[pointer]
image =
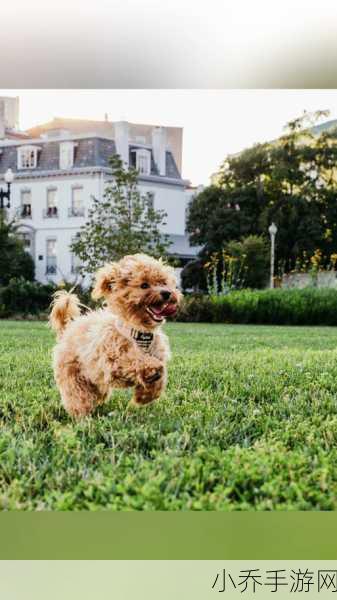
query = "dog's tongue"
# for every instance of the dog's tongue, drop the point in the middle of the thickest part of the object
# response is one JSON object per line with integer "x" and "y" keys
{"x": 169, "y": 310}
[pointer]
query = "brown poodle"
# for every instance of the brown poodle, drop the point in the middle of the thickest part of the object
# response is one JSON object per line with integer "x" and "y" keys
{"x": 121, "y": 345}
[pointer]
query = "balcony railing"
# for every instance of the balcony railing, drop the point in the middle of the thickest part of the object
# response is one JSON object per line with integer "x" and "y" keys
{"x": 50, "y": 213}
{"x": 76, "y": 212}
{"x": 51, "y": 266}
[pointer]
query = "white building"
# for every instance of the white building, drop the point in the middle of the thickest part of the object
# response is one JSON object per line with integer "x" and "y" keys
{"x": 59, "y": 167}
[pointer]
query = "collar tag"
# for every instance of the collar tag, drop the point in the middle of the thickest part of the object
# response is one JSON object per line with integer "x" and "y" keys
{"x": 142, "y": 336}
{"x": 143, "y": 339}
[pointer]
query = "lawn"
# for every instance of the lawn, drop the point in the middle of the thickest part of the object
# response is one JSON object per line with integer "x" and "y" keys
{"x": 249, "y": 421}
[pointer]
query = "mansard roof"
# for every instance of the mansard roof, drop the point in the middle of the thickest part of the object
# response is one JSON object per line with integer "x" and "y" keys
{"x": 90, "y": 152}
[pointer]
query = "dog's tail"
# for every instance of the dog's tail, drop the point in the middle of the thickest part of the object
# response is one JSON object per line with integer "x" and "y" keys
{"x": 64, "y": 308}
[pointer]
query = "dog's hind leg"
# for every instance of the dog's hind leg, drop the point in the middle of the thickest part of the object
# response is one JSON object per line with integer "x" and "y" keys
{"x": 79, "y": 396}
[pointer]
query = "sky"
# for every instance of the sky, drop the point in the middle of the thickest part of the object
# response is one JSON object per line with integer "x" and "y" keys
{"x": 215, "y": 122}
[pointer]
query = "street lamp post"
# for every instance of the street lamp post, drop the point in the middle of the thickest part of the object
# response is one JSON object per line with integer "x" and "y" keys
{"x": 6, "y": 194}
{"x": 272, "y": 232}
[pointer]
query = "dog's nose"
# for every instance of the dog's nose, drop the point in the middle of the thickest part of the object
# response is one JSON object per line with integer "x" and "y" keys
{"x": 165, "y": 294}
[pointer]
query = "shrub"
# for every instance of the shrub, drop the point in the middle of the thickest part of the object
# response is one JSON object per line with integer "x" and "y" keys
{"x": 22, "y": 297}
{"x": 193, "y": 275}
{"x": 240, "y": 264}
{"x": 197, "y": 309}
{"x": 308, "y": 306}
{"x": 253, "y": 254}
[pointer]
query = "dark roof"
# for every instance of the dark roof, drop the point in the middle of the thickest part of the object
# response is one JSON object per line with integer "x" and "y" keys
{"x": 89, "y": 152}
{"x": 171, "y": 167}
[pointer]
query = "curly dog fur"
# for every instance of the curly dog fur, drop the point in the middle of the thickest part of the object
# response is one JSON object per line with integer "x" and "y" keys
{"x": 121, "y": 345}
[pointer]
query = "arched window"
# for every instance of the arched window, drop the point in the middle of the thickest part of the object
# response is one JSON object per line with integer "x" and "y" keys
{"x": 27, "y": 235}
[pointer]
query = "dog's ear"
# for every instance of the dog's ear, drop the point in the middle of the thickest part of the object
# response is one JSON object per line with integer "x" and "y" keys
{"x": 104, "y": 281}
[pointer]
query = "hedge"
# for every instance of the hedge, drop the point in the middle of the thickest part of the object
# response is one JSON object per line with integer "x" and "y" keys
{"x": 310, "y": 306}
{"x": 22, "y": 298}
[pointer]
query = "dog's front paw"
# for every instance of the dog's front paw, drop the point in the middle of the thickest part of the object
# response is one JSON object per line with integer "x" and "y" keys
{"x": 156, "y": 375}
{"x": 152, "y": 373}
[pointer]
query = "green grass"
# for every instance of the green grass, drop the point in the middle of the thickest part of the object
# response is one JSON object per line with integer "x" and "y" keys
{"x": 249, "y": 421}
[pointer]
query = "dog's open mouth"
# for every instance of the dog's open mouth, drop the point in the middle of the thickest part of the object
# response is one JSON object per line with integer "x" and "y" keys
{"x": 159, "y": 312}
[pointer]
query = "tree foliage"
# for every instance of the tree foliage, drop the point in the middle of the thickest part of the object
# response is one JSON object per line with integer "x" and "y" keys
{"x": 291, "y": 181}
{"x": 124, "y": 222}
{"x": 253, "y": 255}
{"x": 15, "y": 262}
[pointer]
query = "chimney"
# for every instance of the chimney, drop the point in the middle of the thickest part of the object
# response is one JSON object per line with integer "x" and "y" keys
{"x": 11, "y": 111}
{"x": 122, "y": 140}
{"x": 159, "y": 148}
{"x": 2, "y": 119}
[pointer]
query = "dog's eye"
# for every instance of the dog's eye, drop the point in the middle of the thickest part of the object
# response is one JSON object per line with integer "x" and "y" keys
{"x": 144, "y": 285}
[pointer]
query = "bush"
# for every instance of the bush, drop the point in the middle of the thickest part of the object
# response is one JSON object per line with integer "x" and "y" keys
{"x": 240, "y": 264}
{"x": 22, "y": 297}
{"x": 271, "y": 307}
{"x": 193, "y": 275}
{"x": 310, "y": 306}
{"x": 253, "y": 253}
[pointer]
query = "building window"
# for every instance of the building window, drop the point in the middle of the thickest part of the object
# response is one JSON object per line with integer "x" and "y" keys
{"x": 26, "y": 204}
{"x": 76, "y": 262}
{"x": 27, "y": 157}
{"x": 51, "y": 265}
{"x": 66, "y": 155}
{"x": 26, "y": 239}
{"x": 143, "y": 162}
{"x": 51, "y": 210}
{"x": 77, "y": 205}
{"x": 150, "y": 196}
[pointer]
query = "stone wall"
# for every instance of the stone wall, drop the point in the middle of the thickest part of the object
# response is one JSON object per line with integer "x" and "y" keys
{"x": 324, "y": 279}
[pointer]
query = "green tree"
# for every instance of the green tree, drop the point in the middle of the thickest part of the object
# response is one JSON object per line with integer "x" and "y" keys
{"x": 124, "y": 222}
{"x": 218, "y": 215}
{"x": 291, "y": 181}
{"x": 14, "y": 260}
{"x": 299, "y": 189}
